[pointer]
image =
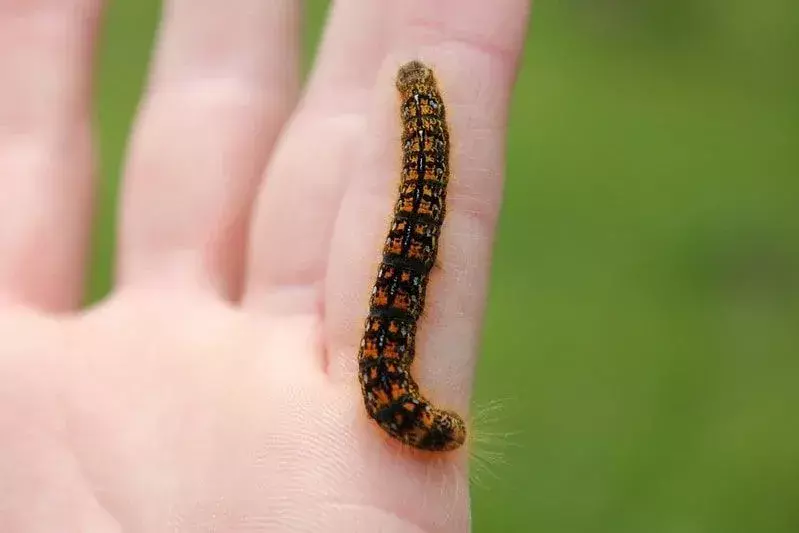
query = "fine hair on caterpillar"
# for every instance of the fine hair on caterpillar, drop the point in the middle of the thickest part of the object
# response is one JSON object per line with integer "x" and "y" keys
{"x": 486, "y": 443}
{"x": 392, "y": 396}
{"x": 487, "y": 446}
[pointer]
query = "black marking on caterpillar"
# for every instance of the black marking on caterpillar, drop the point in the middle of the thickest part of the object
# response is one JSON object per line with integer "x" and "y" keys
{"x": 391, "y": 395}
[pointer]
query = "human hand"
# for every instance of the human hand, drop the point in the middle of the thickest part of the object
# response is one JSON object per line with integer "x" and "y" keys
{"x": 216, "y": 389}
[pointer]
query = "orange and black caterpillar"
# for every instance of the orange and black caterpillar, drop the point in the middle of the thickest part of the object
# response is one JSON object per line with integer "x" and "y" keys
{"x": 390, "y": 393}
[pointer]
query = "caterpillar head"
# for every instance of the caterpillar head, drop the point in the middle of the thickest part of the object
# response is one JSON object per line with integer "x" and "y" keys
{"x": 414, "y": 75}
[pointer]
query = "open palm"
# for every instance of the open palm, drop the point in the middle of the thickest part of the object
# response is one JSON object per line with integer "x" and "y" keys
{"x": 216, "y": 388}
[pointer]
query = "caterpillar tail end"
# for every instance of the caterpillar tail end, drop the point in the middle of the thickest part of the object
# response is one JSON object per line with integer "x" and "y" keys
{"x": 422, "y": 426}
{"x": 446, "y": 433}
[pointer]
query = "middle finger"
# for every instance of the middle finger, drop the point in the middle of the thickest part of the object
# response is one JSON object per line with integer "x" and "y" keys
{"x": 225, "y": 79}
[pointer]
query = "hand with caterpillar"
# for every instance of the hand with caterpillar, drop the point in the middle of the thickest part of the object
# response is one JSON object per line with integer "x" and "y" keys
{"x": 217, "y": 387}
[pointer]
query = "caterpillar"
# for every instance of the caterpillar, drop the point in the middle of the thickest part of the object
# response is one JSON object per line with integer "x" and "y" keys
{"x": 387, "y": 350}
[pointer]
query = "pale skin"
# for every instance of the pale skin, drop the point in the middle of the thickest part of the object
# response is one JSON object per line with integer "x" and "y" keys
{"x": 215, "y": 388}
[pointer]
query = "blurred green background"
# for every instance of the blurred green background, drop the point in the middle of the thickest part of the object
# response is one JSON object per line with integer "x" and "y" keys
{"x": 643, "y": 328}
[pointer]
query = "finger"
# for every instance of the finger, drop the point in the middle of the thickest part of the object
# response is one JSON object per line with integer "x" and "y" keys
{"x": 307, "y": 176}
{"x": 473, "y": 49}
{"x": 46, "y": 167}
{"x": 224, "y": 81}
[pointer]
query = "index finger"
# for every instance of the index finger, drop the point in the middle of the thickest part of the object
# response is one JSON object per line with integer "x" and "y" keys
{"x": 473, "y": 49}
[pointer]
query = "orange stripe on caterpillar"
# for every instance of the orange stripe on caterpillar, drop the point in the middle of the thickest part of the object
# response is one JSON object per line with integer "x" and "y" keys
{"x": 391, "y": 394}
